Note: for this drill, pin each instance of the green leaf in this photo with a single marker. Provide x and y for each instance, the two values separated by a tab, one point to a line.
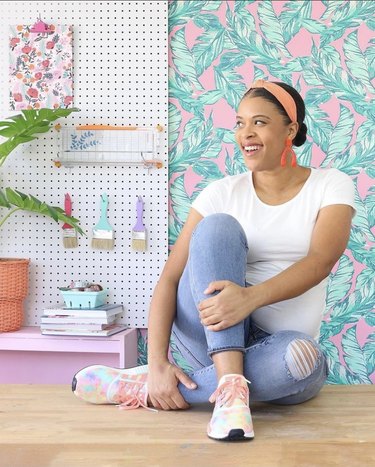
182	12
174	121
207	169
14	198
340	282
341	135
369	353
304	154
230	85
21	128
355	60
180	199
209	46
183	58
241	20
270	26
353	355
4	203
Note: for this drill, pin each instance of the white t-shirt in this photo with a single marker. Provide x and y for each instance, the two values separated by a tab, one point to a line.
278	236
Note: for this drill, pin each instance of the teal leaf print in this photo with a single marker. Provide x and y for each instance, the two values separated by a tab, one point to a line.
370	206
224	135
180	199
230	84
234	165
241	21
178	359
353	355
369	353
180	88
207	169
293	17
210	97
231	60
355	60
142	348
316	96
319	126
304	154
183	58
340	282
365	290
370	317
270	26
174	124
199	141
343	16
341	135
182	12
360	219
210	5
210	44
258	73
370	57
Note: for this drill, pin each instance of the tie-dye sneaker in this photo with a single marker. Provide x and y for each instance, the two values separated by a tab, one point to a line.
231	419
100	384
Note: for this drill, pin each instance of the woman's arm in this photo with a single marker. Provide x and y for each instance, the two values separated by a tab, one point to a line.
234	303
164	377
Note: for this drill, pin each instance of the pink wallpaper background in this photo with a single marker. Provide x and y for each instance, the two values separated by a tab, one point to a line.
325	50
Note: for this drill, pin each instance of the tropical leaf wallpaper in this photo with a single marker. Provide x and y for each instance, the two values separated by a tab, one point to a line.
325	49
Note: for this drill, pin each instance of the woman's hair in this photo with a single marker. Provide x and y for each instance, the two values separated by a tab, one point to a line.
300	137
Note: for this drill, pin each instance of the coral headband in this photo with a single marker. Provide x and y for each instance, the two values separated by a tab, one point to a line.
285	99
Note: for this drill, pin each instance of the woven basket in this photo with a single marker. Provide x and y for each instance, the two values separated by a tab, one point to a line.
14	282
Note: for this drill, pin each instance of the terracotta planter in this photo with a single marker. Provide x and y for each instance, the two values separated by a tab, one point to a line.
14	284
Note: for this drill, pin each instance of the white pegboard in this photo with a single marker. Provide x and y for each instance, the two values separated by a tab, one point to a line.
120	78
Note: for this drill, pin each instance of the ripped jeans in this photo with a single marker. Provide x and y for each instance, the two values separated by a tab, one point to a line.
287	367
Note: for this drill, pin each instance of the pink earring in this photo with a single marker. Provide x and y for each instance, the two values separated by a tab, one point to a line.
288	150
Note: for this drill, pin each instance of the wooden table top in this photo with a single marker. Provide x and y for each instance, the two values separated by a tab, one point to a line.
47	426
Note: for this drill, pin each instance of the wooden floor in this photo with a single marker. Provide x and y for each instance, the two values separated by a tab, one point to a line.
46	426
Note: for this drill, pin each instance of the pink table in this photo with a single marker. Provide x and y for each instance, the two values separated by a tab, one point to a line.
28	357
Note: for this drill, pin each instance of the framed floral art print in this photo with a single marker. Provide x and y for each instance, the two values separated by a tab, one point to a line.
41	67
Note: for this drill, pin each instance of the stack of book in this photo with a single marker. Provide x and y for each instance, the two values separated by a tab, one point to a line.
100	321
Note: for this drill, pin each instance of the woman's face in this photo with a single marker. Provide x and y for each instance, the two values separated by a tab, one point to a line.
261	133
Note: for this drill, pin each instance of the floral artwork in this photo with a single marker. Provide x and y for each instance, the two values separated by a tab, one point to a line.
41	68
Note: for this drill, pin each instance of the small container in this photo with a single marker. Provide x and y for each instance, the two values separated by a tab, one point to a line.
74	299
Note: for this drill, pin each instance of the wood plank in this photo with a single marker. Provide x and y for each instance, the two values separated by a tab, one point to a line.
46	425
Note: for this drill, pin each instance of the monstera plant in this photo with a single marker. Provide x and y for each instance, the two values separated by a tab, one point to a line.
20	129
14	281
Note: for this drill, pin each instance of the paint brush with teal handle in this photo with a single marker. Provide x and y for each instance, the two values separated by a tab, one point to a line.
103	236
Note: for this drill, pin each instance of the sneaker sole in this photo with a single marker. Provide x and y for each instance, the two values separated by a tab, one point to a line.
235	434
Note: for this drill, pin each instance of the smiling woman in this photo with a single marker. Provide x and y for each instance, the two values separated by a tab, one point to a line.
244	287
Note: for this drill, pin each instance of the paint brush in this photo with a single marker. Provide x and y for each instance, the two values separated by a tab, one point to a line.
139	241
103	236
69	232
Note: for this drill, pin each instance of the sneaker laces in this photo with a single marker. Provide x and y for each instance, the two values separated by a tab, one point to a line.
129	395
231	390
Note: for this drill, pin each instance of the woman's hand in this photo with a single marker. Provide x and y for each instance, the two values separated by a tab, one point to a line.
162	382
232	305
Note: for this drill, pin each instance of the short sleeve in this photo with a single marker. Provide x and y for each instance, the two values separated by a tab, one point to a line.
339	189
210	200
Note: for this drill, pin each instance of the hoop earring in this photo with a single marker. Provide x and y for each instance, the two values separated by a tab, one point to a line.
288	150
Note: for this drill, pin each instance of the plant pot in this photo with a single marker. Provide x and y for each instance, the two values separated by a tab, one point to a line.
14	284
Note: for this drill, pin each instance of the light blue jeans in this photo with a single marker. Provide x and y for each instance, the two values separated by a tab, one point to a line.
218	251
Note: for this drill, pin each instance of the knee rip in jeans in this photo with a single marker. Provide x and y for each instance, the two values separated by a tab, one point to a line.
301	358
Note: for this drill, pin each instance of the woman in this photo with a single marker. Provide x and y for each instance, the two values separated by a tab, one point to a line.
243	290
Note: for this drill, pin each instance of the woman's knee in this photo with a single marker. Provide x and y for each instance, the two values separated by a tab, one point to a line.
220	227
303	356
